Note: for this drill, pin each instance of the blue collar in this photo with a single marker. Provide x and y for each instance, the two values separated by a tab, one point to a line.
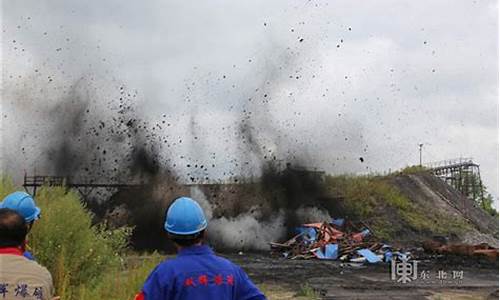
195	250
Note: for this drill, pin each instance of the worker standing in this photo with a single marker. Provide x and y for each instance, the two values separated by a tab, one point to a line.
196	273
25	205
20	278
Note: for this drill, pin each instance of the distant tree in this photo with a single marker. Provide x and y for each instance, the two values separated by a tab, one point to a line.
487	204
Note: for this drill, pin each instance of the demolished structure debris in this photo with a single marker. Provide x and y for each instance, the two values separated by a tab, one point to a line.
337	239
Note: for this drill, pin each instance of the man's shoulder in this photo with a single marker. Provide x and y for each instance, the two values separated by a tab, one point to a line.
168	265
39	267
24	265
227	262
33	265
172	264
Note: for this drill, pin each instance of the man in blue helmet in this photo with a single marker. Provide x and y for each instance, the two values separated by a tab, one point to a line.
196	273
25	205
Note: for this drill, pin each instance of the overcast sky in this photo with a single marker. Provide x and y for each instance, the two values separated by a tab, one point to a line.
326	81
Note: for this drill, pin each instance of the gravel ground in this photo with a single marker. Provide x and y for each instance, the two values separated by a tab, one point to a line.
474	278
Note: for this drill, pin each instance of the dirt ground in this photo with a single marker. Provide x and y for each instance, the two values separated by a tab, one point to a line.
474	279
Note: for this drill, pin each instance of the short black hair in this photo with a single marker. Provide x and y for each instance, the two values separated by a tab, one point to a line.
13	229
187	240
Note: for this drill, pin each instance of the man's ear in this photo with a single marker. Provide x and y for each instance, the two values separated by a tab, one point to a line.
29	226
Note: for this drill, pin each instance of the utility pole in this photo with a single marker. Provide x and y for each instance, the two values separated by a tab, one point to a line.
420	151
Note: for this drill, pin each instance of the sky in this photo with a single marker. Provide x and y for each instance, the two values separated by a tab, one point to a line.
323	82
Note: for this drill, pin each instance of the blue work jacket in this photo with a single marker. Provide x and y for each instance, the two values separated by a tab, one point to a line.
198	274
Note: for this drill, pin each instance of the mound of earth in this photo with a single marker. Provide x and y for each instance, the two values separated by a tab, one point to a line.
427	190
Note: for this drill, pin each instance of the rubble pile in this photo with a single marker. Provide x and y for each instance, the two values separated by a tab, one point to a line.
334	240
479	250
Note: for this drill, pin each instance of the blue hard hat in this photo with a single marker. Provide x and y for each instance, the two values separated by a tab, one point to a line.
185	217
24	204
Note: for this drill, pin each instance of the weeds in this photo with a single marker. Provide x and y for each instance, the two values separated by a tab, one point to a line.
308	292
76	252
121	283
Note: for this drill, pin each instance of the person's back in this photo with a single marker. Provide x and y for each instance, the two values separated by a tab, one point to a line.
197	273
20	278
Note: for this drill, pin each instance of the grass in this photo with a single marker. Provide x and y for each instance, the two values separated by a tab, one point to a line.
284	292
64	239
121	283
307	292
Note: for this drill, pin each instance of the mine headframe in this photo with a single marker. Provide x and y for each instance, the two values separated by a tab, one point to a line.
461	173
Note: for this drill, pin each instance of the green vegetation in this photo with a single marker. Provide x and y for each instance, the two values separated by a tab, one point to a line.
412	170
308	292
64	240
374	200
486	203
121	283
86	261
